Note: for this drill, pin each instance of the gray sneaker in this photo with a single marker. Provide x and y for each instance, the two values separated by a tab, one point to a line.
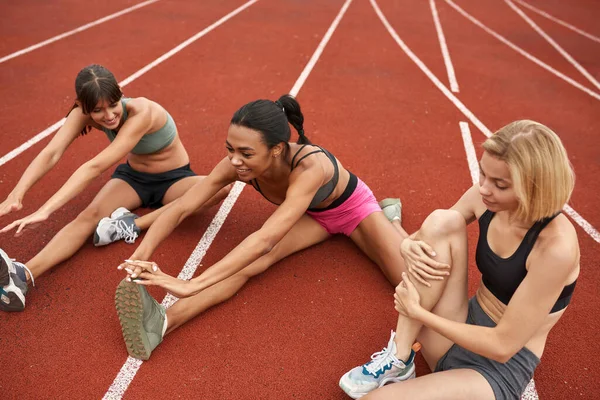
143	320
383	368
12	288
120	225
392	209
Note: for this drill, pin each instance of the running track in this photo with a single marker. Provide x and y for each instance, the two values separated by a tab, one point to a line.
292	332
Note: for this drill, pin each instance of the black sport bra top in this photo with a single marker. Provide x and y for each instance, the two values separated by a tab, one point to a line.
502	276
325	190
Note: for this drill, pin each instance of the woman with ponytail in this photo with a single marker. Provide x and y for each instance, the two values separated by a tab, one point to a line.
157	172
317	198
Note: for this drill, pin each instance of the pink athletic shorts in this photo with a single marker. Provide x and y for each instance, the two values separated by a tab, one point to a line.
345	217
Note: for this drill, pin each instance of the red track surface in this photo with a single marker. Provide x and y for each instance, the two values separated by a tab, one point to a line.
292	332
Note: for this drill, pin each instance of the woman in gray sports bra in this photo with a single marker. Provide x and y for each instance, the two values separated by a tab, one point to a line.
156	173
316	197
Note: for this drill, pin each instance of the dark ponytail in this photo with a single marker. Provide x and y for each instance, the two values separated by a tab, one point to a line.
292	110
272	119
93	84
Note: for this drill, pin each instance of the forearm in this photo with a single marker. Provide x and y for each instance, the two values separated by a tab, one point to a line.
160	229
39	167
248	251
74	185
478	339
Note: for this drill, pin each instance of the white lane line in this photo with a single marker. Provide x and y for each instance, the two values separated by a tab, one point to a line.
48	131
523	52
556	46
470	151
587	227
313	60
131	365
559	21
76	30
444	48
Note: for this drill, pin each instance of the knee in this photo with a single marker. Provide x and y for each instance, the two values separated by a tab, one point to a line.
91	215
441	224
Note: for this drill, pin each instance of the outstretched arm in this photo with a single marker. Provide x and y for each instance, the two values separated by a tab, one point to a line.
46	160
222	175
130	133
298	197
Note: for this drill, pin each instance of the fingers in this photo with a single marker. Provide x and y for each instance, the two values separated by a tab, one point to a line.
10	226
138	266
418	278
430	273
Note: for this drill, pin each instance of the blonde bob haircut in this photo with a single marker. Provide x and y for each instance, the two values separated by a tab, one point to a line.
542	175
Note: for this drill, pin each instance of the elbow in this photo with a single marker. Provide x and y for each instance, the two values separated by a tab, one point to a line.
503	352
92	170
263	244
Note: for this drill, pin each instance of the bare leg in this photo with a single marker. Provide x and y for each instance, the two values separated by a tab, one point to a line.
457	384
175	192
381	242
69	239
305	233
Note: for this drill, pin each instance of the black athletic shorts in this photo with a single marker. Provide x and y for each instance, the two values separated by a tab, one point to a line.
151	187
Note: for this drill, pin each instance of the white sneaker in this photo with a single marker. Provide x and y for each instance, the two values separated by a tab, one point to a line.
392	209
383	368
120	225
12	288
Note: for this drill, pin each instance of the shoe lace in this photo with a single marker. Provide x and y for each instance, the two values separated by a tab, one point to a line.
383	358
124	231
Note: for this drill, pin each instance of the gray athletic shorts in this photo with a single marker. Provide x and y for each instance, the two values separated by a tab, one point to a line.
508	380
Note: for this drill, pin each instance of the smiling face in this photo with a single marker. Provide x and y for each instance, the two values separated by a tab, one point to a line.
248	153
495	184
107	114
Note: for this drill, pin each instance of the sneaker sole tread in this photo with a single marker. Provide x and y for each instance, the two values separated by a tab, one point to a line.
128	301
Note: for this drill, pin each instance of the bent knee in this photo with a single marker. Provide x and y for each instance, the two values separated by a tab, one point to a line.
442	223
91	215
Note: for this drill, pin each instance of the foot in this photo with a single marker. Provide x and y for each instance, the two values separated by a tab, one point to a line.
392	209
383	368
120	225
13	284
143	320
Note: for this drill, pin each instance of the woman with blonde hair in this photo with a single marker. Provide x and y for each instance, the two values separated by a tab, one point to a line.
486	347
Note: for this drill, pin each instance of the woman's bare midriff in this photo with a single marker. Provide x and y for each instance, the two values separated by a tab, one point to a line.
171	157
494	308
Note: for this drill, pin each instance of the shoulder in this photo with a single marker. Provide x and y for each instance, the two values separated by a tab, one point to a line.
557	245
141	105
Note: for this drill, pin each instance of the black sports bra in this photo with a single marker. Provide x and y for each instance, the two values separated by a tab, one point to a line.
502	276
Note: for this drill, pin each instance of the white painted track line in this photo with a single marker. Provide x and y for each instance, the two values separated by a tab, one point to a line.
552	43
48	131
559	21
523	52
76	30
131	365
444	48
585	225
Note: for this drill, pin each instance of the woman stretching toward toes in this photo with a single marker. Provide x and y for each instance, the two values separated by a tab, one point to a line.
156	173
317	198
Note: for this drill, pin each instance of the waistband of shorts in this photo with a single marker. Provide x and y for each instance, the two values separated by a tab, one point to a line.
182	168
350	187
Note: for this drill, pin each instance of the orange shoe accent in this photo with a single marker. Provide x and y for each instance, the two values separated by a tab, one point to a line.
416	347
